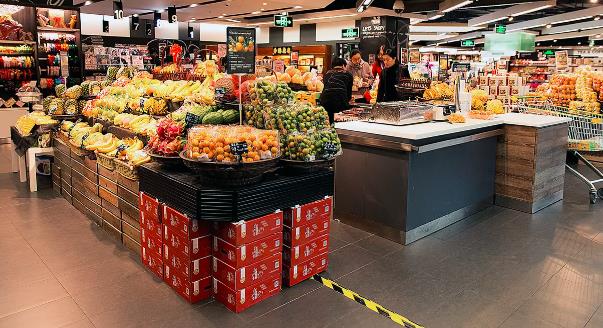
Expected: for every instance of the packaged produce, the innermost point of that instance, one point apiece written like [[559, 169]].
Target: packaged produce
[[311, 146], [231, 144]]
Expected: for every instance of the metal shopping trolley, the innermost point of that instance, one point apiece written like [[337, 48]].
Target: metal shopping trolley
[[585, 135]]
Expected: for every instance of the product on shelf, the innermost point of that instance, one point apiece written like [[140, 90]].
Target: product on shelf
[[438, 90], [10, 29], [311, 146], [26, 123], [456, 118]]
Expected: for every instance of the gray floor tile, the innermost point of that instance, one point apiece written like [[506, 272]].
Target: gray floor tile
[[520, 319], [347, 233], [347, 259], [63, 312], [21, 296], [596, 320]]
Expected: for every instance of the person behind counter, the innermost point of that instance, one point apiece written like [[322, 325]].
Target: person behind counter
[[390, 77], [378, 64], [359, 68], [337, 92]]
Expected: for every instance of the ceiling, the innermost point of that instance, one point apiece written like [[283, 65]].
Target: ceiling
[[446, 30]]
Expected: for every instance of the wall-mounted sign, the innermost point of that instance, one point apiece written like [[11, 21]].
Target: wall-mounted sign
[[350, 33], [105, 26], [561, 60], [283, 21], [500, 29], [504, 43], [191, 32], [276, 51], [549, 53], [241, 50], [294, 58], [149, 29], [134, 23], [156, 19], [467, 43], [172, 17]]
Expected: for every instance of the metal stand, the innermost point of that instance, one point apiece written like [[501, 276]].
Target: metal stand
[[594, 192]]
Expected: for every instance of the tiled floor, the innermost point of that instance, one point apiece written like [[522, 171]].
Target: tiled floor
[[499, 268]]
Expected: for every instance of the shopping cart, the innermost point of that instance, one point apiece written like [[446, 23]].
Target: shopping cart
[[585, 135]]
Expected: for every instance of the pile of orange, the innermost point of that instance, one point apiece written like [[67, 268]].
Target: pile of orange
[[212, 144]]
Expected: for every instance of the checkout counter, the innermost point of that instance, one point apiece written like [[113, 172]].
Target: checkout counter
[[406, 182]]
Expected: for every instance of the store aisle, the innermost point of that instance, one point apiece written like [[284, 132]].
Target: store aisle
[[500, 268]]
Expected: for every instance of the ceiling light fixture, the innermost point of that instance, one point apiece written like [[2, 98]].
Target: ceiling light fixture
[[325, 17], [435, 16], [193, 5], [297, 7], [450, 5], [135, 15], [555, 40], [594, 1], [220, 16], [597, 18], [511, 19], [255, 12], [160, 10], [88, 3], [360, 9], [549, 25], [362, 5], [233, 20], [531, 10]]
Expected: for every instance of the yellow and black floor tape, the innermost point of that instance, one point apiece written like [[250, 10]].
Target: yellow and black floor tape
[[393, 316]]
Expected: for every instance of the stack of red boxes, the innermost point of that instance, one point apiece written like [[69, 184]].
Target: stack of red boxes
[[187, 255], [151, 239], [306, 240], [247, 261]]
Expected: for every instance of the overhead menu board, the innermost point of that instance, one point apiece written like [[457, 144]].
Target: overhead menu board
[[241, 50]]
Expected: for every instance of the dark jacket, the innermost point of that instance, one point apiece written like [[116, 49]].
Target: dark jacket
[[388, 79], [337, 91]]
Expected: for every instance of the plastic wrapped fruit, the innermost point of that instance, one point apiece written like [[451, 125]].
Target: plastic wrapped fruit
[[231, 144], [312, 145]]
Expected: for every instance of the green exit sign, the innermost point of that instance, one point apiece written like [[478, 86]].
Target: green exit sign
[[467, 43], [500, 29], [349, 33], [283, 21], [548, 53]]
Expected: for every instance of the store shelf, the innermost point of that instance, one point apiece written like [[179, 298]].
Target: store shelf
[[52, 29], [16, 42]]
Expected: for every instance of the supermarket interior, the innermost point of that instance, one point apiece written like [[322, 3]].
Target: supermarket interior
[[327, 163]]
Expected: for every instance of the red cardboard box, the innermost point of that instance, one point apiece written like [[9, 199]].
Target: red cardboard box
[[151, 226], [301, 253], [181, 224], [192, 291], [192, 270], [151, 242], [244, 277], [150, 207], [239, 300], [242, 232], [304, 214], [192, 249], [152, 261], [303, 234], [238, 257], [297, 273]]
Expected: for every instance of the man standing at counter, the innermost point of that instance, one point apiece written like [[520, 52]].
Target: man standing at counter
[[359, 69]]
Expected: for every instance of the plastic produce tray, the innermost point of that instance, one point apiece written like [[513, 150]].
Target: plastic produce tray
[[185, 192]]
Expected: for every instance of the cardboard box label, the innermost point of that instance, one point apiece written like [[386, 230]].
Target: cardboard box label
[[239, 233], [298, 273], [302, 234], [150, 207], [300, 253], [192, 291], [307, 213], [195, 248], [239, 300], [241, 256], [181, 224], [191, 270], [237, 278], [151, 225], [152, 261]]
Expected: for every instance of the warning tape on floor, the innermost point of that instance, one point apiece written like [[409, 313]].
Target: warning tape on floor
[[393, 316]]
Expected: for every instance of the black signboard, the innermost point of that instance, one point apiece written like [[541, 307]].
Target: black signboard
[[191, 120], [461, 67], [331, 149], [527, 55], [118, 10], [46, 3], [149, 29], [241, 50], [172, 17], [134, 23], [283, 21], [238, 148], [105, 26]]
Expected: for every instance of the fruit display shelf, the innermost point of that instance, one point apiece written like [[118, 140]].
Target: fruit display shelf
[[187, 193]]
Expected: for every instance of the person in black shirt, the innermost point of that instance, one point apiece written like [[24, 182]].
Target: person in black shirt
[[337, 91], [389, 77]]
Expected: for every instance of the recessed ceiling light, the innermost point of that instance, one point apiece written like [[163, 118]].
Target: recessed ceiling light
[[264, 4], [597, 18], [193, 5], [297, 7], [594, 1], [135, 15], [511, 19], [220, 16], [261, 9], [555, 40], [538, 44], [160, 10], [255, 12], [87, 3], [549, 25]]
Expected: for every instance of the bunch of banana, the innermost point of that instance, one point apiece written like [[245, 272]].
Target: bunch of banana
[[131, 146], [81, 130], [91, 140], [139, 121], [139, 157]]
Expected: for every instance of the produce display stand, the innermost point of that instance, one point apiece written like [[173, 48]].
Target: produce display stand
[[26, 148]]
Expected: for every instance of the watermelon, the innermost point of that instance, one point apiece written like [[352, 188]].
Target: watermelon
[[230, 116], [213, 118]]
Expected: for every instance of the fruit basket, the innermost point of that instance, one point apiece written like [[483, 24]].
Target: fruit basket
[[231, 155], [230, 174], [126, 169], [80, 152], [307, 167], [105, 161], [169, 161]]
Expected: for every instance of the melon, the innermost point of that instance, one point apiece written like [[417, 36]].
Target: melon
[[227, 84]]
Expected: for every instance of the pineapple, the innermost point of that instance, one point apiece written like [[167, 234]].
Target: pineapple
[[80, 105], [85, 88], [60, 89], [56, 107], [94, 88], [46, 102], [105, 84], [112, 73], [70, 107], [74, 92]]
